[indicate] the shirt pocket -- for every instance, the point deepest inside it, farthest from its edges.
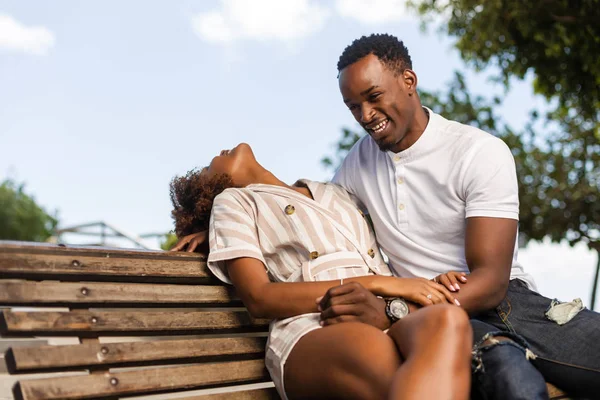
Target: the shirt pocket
(338, 265)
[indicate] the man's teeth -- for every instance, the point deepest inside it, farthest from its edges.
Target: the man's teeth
(380, 126)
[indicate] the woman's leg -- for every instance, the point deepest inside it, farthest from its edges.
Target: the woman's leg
(436, 345)
(343, 361)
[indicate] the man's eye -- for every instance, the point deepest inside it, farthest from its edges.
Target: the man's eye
(374, 96)
(352, 107)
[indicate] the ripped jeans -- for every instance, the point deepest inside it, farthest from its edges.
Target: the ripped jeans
(567, 355)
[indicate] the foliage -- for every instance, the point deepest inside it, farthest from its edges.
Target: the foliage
(20, 217)
(169, 241)
(556, 40)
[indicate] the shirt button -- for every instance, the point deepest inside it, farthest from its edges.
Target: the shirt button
(400, 181)
(397, 158)
(314, 255)
(401, 207)
(371, 253)
(289, 209)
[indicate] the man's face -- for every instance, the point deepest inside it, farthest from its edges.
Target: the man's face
(379, 100)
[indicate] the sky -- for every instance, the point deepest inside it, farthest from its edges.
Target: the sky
(103, 102)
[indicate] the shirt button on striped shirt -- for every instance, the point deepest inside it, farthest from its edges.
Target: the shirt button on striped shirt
(371, 253)
(290, 209)
(314, 255)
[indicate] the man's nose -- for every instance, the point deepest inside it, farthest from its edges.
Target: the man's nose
(366, 114)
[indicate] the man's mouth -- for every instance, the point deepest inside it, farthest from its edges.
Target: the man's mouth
(379, 127)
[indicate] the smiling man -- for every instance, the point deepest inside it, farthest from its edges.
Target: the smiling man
(443, 197)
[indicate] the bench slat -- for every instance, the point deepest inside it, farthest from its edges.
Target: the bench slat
(43, 358)
(108, 267)
(257, 394)
(113, 294)
(152, 380)
(102, 323)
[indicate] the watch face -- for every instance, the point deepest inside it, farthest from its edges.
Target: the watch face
(398, 308)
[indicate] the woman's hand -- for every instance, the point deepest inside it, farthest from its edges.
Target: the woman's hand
(451, 280)
(197, 242)
(417, 290)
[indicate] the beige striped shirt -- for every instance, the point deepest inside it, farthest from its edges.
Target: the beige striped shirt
(298, 240)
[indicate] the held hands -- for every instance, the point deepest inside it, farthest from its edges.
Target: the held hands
(352, 302)
(196, 242)
(451, 280)
(418, 290)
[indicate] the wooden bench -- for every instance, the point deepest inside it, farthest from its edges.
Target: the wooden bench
(144, 323)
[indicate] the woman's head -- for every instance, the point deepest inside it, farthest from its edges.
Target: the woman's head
(192, 195)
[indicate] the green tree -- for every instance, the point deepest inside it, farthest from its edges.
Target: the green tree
(20, 217)
(557, 171)
(169, 241)
(558, 41)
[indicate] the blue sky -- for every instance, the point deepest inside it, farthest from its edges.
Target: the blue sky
(102, 102)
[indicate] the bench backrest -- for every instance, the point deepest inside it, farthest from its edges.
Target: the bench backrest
(144, 322)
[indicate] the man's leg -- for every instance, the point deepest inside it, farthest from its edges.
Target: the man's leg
(567, 354)
(501, 366)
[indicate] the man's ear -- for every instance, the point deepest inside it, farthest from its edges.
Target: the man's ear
(409, 80)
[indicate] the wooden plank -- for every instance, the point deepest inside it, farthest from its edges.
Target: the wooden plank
(257, 394)
(44, 358)
(153, 380)
(45, 263)
(555, 393)
(88, 294)
(101, 323)
(9, 246)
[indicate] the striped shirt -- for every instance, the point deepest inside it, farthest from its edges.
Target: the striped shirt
(298, 239)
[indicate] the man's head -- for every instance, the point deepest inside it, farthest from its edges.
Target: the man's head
(379, 88)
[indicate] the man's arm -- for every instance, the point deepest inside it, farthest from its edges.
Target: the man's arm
(489, 247)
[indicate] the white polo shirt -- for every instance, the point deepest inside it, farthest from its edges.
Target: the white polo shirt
(419, 199)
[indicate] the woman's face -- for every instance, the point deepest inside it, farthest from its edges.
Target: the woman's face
(236, 163)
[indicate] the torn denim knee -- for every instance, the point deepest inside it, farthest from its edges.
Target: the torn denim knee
(489, 341)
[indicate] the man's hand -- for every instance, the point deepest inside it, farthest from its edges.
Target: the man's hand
(196, 242)
(352, 302)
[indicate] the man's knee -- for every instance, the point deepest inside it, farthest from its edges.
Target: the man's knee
(502, 366)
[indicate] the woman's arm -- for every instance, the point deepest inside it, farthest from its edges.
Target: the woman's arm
(266, 299)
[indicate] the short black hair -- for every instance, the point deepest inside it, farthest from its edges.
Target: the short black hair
(390, 51)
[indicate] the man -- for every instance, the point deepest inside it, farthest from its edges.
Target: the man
(443, 197)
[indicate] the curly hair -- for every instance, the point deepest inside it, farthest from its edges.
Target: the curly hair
(391, 51)
(192, 197)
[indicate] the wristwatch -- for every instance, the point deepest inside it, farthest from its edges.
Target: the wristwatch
(396, 308)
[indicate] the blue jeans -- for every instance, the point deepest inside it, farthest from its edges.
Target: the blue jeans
(567, 356)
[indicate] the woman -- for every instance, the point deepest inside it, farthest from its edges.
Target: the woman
(283, 247)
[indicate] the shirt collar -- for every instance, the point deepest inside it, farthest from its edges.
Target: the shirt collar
(425, 142)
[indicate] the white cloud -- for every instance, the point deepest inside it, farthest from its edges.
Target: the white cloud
(261, 20)
(15, 36)
(373, 12)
